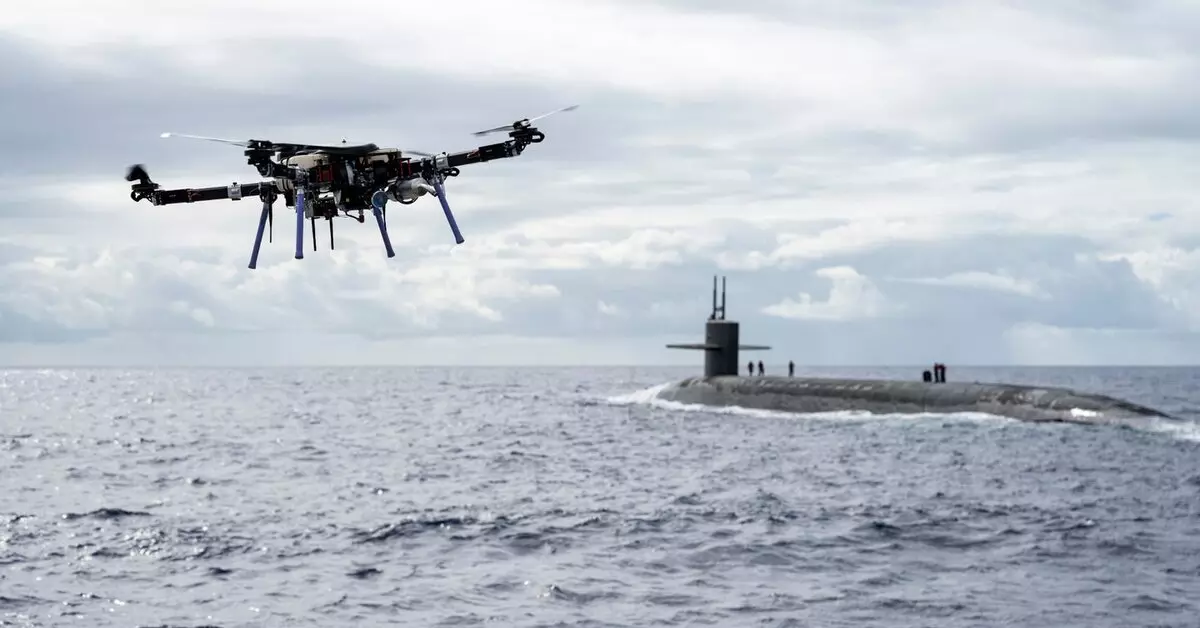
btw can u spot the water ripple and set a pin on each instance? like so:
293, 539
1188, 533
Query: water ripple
443, 497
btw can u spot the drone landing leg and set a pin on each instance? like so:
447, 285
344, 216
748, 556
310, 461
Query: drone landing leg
262, 223
378, 201
330, 234
387, 242
441, 194
313, 221
299, 223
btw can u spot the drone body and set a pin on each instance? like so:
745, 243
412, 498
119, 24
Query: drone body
321, 181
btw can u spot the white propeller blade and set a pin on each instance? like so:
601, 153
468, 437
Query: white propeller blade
525, 122
550, 113
211, 139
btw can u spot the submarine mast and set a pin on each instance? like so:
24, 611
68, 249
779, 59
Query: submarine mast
721, 338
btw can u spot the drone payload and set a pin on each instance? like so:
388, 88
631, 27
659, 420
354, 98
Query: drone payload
325, 181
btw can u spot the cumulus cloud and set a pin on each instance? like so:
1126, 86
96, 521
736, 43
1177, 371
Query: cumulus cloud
851, 297
985, 281
954, 181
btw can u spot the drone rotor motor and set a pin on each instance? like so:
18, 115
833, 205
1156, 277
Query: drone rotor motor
408, 191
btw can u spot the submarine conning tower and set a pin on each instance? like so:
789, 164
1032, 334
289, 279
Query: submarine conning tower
721, 340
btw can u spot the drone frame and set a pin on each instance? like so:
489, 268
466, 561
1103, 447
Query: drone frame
433, 169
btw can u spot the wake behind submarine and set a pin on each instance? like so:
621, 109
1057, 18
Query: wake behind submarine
722, 385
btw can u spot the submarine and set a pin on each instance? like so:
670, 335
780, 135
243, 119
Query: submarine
722, 385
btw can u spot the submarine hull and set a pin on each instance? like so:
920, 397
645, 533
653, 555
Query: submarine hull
811, 395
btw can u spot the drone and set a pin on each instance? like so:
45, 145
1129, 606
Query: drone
328, 181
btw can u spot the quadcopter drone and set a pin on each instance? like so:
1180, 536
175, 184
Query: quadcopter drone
327, 181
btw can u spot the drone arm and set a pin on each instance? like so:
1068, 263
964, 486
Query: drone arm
434, 169
490, 152
235, 191
501, 150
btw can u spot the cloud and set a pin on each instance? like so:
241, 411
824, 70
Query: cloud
980, 280
880, 185
851, 297
133, 290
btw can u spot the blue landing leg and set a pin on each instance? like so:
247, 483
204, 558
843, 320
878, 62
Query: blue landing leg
441, 194
262, 224
378, 202
299, 223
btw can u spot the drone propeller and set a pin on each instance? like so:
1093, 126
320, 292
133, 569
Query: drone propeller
523, 123
280, 146
137, 171
210, 139
265, 144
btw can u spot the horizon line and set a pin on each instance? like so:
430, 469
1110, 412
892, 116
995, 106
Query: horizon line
177, 366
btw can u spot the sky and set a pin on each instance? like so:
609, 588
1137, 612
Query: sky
881, 182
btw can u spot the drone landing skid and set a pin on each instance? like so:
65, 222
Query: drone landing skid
300, 223
268, 199
269, 196
441, 194
378, 202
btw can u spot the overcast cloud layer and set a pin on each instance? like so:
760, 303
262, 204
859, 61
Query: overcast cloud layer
882, 182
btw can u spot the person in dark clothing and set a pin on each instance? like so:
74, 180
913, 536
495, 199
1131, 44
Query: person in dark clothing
750, 367
760, 368
791, 368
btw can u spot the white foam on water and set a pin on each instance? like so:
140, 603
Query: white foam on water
1174, 428
638, 397
649, 397
1181, 430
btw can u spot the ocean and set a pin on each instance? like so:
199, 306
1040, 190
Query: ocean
568, 497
